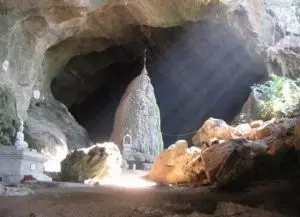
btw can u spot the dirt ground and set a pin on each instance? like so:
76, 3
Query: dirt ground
280, 197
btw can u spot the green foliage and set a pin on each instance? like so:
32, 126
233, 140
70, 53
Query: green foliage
9, 121
280, 97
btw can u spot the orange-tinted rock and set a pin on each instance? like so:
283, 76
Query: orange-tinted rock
174, 152
177, 165
212, 128
283, 140
256, 124
225, 161
259, 133
241, 130
215, 156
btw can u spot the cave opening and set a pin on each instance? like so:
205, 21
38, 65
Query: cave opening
198, 70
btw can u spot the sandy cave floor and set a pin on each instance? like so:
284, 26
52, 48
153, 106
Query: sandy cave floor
275, 196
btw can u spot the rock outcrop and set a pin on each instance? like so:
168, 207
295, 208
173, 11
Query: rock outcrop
221, 163
250, 110
284, 57
52, 130
138, 117
228, 155
178, 164
90, 165
213, 128
38, 38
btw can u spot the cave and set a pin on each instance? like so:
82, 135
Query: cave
198, 70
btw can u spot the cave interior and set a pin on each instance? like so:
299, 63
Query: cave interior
198, 70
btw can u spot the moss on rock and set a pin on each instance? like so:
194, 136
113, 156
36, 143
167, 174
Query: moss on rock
9, 121
79, 166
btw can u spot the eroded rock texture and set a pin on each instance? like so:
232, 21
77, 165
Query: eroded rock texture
38, 38
51, 129
178, 164
138, 116
284, 57
227, 155
91, 165
50, 33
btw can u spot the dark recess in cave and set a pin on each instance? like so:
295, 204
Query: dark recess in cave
95, 111
198, 71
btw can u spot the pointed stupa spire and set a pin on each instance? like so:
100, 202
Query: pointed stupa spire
144, 71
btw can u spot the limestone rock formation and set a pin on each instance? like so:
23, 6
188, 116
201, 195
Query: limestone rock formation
92, 164
178, 165
226, 162
138, 116
38, 38
286, 13
213, 128
9, 121
221, 163
260, 133
250, 110
284, 57
52, 130
264, 149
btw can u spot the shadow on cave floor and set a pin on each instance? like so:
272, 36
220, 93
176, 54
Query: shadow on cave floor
274, 196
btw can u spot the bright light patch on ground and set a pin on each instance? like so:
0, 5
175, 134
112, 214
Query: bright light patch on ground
128, 180
53, 164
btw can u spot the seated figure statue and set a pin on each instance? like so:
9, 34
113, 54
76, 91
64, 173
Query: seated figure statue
20, 143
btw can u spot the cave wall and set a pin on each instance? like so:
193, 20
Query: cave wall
199, 71
38, 38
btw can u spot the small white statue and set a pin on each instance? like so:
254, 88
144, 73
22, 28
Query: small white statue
20, 143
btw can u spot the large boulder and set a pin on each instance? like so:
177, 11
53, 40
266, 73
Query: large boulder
52, 130
178, 165
90, 165
258, 133
138, 117
212, 128
226, 162
222, 163
256, 150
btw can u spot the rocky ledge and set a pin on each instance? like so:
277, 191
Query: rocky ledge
225, 155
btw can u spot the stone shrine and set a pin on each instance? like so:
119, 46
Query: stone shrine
15, 164
18, 161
